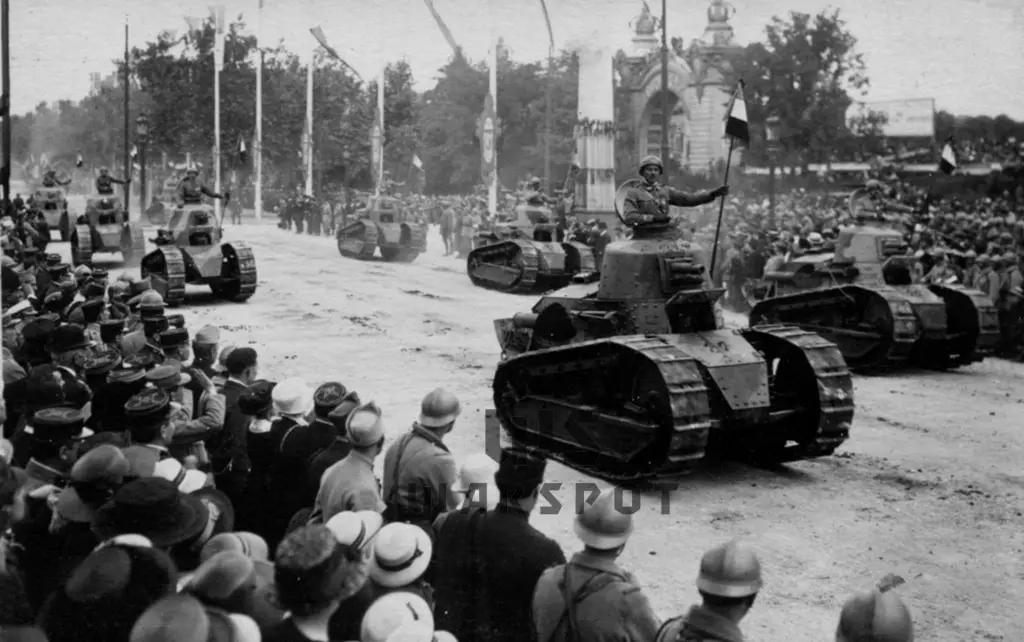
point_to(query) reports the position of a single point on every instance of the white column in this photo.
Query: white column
(380, 122)
(596, 104)
(309, 123)
(258, 151)
(492, 192)
(216, 137)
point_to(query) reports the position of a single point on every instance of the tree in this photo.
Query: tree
(804, 72)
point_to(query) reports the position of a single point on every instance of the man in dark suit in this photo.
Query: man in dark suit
(487, 563)
(228, 449)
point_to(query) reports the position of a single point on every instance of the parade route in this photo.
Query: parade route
(928, 487)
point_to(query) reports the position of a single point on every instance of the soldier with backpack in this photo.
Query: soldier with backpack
(591, 597)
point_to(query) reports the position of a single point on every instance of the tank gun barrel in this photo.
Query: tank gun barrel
(525, 319)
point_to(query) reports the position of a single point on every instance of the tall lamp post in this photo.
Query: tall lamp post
(141, 138)
(772, 125)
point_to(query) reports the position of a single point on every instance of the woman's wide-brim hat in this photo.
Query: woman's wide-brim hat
(401, 554)
(154, 508)
(292, 397)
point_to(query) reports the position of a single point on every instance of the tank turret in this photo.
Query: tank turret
(634, 376)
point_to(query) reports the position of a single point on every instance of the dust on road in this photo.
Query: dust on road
(929, 486)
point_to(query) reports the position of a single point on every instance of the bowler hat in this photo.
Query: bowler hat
(70, 336)
(329, 395)
(39, 329)
(154, 508)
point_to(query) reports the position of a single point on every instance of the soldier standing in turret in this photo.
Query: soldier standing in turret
(50, 179)
(191, 190)
(534, 195)
(105, 182)
(649, 202)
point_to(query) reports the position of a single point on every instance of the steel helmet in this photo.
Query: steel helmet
(604, 525)
(651, 160)
(151, 298)
(439, 408)
(534, 181)
(875, 617)
(730, 570)
(104, 170)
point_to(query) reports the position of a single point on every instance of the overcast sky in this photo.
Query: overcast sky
(966, 54)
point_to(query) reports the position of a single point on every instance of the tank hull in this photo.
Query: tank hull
(522, 266)
(636, 407)
(229, 270)
(883, 326)
(397, 242)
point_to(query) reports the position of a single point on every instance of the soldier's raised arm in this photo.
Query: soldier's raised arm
(680, 198)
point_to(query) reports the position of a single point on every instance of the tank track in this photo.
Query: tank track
(247, 275)
(688, 401)
(835, 390)
(530, 258)
(81, 251)
(174, 275)
(348, 237)
(899, 344)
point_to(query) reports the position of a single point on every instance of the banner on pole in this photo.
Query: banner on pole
(217, 11)
(487, 133)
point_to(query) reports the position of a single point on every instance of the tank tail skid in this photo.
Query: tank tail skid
(973, 325)
(811, 391)
(873, 327)
(635, 408)
(358, 240)
(412, 242)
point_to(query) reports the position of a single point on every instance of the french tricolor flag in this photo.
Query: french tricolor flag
(947, 164)
(736, 116)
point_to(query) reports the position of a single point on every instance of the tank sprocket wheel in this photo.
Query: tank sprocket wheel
(165, 268)
(238, 273)
(81, 245)
(810, 388)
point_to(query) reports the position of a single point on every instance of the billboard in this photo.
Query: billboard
(906, 118)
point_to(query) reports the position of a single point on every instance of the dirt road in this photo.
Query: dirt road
(929, 486)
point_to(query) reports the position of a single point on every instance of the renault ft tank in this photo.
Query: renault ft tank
(105, 228)
(634, 377)
(861, 296)
(379, 225)
(190, 251)
(523, 255)
(53, 203)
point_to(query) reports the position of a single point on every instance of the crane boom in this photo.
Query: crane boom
(444, 28)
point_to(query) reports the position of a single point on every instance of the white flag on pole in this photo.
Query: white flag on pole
(416, 162)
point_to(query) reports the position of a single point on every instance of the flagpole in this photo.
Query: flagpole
(258, 152)
(721, 209)
(309, 123)
(492, 192)
(380, 123)
(217, 53)
(127, 132)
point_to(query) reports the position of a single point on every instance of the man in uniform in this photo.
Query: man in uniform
(105, 182)
(728, 583)
(191, 190)
(50, 179)
(649, 202)
(535, 197)
(591, 597)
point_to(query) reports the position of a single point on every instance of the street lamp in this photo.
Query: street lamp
(141, 138)
(772, 125)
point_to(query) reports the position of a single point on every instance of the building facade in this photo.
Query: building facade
(698, 93)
